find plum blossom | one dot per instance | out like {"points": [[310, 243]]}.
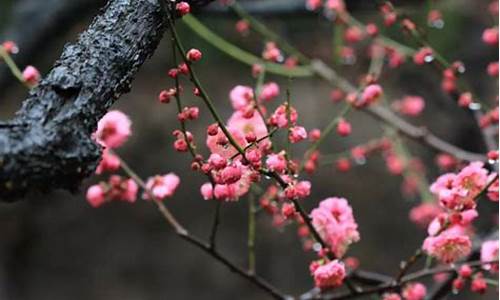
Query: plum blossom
{"points": [[371, 94], [449, 246], [31, 75], [96, 195], [424, 213], [276, 162], [328, 275], [207, 191], [109, 162], [270, 91], [117, 188], [391, 296], [410, 105], [493, 188], [162, 186], [241, 96], [113, 129], [457, 191], [335, 223], [489, 252], [414, 291], [254, 125], [297, 134], [280, 116]]}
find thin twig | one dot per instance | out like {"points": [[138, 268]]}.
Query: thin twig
{"points": [[251, 233], [215, 226], [206, 247]]}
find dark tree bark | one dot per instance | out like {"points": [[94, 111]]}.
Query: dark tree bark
{"points": [[48, 144]]}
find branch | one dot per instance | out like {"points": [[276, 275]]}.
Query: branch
{"points": [[48, 144], [208, 248]]}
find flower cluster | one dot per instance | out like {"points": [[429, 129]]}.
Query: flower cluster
{"points": [[334, 221], [457, 194], [113, 130]]}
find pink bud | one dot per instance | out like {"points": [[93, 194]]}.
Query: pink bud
{"points": [[95, 195], [344, 128], [180, 145], [164, 96], [31, 75], [194, 55], [490, 36], [183, 8], [207, 191], [297, 134], [371, 94]]}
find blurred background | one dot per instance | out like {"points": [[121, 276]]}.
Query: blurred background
{"points": [[55, 246]]}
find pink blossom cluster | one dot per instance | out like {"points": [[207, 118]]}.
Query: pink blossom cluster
{"points": [[117, 188], [457, 191], [334, 221], [448, 238], [112, 132], [328, 274]]}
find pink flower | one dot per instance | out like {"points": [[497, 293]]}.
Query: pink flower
{"points": [[113, 129], [272, 53], [162, 186], [422, 56], [255, 125], [446, 161], [313, 4], [183, 8], [489, 252], [336, 5], [193, 55], [299, 190], [414, 291], [280, 116], [109, 162], [457, 191], [288, 210], [371, 94], [329, 275], [276, 162], [10, 47], [242, 26], [449, 246], [241, 96], [129, 192], [225, 149], [216, 161], [344, 128], [396, 58], [96, 195], [230, 174], [490, 36], [473, 178], [395, 165], [335, 223], [391, 296], [353, 34], [410, 105], [269, 91], [314, 134], [493, 188], [297, 134], [207, 191], [424, 213], [492, 69], [478, 284], [31, 75]]}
